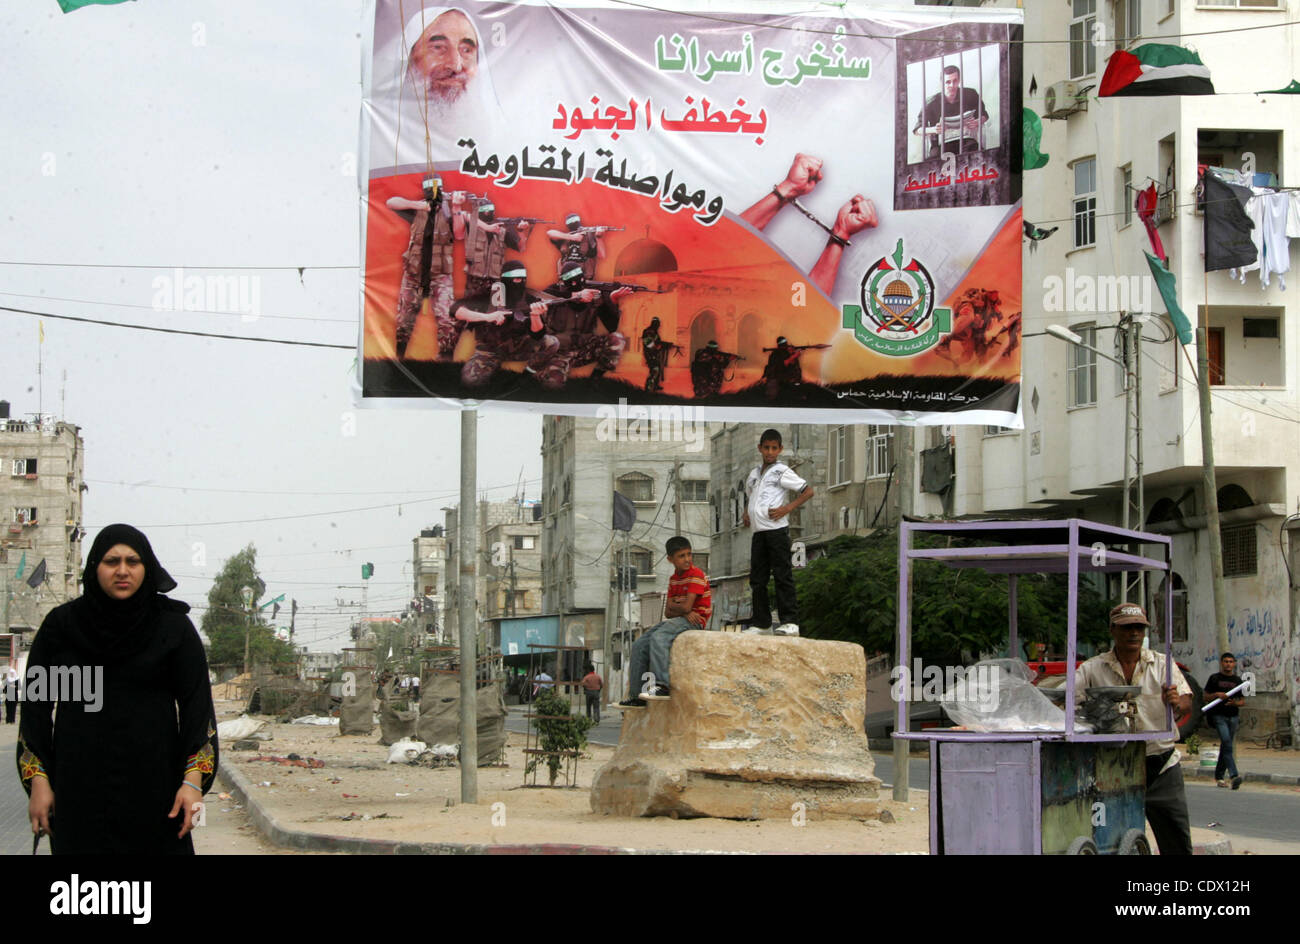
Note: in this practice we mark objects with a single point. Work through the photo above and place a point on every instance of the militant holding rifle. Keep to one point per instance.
(800, 347)
(611, 287)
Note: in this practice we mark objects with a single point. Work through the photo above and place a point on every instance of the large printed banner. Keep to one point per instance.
(568, 205)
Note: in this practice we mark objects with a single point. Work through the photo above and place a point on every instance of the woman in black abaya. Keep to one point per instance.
(133, 749)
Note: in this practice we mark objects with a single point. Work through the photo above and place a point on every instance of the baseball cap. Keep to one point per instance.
(1128, 614)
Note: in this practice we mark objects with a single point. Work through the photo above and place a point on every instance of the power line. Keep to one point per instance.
(185, 311)
(197, 334)
(252, 491)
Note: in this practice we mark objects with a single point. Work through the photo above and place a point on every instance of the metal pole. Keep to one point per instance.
(1140, 523)
(467, 552)
(1126, 325)
(906, 485)
(1209, 483)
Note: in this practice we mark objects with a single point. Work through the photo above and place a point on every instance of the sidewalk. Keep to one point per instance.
(1255, 764)
(357, 803)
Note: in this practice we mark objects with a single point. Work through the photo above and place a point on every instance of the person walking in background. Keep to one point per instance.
(11, 683)
(592, 684)
(1224, 717)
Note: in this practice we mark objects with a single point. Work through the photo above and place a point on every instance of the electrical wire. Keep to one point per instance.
(197, 334)
(178, 311)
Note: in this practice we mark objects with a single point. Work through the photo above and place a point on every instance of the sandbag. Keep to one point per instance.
(357, 714)
(439, 721)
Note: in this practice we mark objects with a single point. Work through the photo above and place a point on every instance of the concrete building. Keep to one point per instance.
(505, 528)
(662, 465)
(429, 567)
(41, 486)
(1069, 460)
(319, 664)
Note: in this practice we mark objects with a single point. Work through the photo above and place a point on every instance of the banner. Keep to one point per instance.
(570, 205)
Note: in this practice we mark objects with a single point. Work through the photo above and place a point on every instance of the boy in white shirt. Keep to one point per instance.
(769, 505)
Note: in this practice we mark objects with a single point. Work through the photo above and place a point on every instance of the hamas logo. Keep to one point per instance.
(897, 316)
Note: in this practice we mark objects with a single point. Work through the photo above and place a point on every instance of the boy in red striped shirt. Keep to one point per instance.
(688, 606)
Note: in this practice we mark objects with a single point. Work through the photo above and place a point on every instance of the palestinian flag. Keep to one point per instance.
(1155, 69)
(69, 5)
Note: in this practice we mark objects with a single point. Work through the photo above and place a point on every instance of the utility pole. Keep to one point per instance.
(1209, 481)
(906, 459)
(1134, 514)
(677, 496)
(467, 521)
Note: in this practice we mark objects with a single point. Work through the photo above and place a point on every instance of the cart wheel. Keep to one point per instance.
(1134, 842)
(1082, 846)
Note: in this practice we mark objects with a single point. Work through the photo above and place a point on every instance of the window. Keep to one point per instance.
(642, 560)
(1126, 195)
(637, 486)
(25, 516)
(998, 430)
(1128, 22)
(1240, 557)
(525, 542)
(1250, 328)
(1242, 4)
(1083, 367)
(716, 508)
(839, 455)
(880, 451)
(1085, 203)
(1083, 54)
(695, 490)
(28, 466)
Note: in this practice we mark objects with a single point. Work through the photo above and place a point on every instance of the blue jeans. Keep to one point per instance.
(1227, 728)
(651, 653)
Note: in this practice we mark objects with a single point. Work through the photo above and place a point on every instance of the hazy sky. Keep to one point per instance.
(211, 133)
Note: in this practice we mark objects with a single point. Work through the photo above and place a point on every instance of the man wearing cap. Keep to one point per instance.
(509, 327)
(578, 245)
(575, 323)
(486, 242)
(1130, 663)
(427, 263)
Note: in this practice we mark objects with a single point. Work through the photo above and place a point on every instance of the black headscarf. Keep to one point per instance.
(104, 623)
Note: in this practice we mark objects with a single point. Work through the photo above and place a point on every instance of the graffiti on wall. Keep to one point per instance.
(1258, 638)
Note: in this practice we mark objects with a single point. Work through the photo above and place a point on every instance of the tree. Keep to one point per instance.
(851, 594)
(226, 620)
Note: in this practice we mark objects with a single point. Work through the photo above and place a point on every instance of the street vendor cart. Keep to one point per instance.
(1043, 788)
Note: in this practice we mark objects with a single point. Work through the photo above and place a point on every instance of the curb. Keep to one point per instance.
(1217, 847)
(1286, 780)
(279, 834)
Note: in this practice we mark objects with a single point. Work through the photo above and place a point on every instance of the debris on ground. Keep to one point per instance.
(293, 760)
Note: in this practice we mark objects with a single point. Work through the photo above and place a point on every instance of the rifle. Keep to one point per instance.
(515, 220)
(801, 347)
(597, 230)
(610, 287)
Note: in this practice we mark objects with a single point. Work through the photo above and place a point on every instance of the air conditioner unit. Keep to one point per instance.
(1063, 99)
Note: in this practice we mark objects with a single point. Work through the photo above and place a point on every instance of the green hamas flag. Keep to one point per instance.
(1033, 128)
(69, 5)
(1166, 284)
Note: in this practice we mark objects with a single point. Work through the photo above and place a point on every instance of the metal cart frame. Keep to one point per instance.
(1071, 546)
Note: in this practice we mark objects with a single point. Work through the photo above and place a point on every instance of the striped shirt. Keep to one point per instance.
(682, 583)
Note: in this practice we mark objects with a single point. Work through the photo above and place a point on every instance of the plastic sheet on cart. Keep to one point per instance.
(997, 695)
